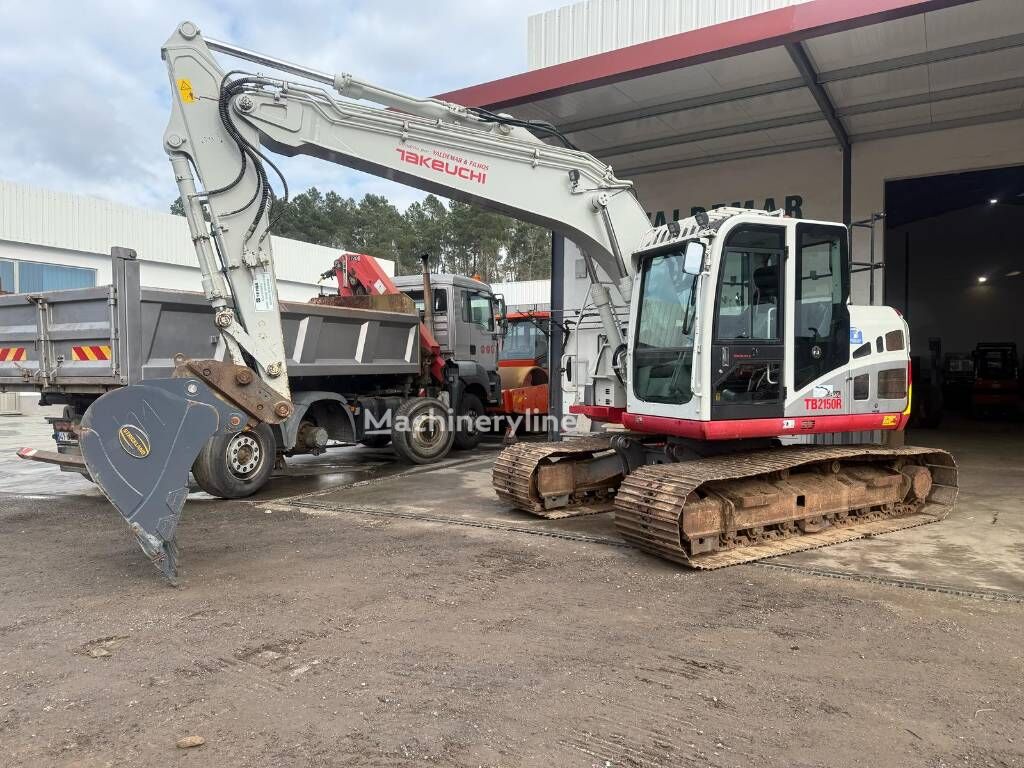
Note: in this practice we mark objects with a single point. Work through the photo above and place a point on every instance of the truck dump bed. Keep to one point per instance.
(89, 340)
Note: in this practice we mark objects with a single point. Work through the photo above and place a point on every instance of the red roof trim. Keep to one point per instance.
(763, 30)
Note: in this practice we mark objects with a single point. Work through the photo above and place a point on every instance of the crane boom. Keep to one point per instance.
(221, 123)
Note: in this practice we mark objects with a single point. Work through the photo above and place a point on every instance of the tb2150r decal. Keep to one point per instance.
(824, 398)
(831, 403)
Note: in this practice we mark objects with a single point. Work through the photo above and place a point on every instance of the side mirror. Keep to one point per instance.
(502, 312)
(693, 257)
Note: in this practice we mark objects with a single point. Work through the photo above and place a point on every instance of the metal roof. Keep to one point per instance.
(44, 217)
(587, 27)
(821, 73)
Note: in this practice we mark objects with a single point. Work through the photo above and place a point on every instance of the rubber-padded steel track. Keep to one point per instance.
(515, 474)
(650, 502)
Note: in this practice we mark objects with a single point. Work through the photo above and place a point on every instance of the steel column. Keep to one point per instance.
(555, 341)
(805, 67)
(847, 184)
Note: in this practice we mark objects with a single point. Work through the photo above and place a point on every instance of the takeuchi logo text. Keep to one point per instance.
(445, 162)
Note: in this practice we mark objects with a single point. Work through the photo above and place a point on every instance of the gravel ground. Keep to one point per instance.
(335, 639)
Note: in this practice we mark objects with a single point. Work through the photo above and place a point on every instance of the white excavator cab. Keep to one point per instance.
(742, 328)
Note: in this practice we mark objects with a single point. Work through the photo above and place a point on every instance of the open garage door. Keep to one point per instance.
(955, 267)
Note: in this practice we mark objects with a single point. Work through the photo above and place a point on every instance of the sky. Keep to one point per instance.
(86, 96)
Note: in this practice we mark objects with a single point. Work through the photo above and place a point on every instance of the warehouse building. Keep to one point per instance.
(52, 240)
(525, 295)
(904, 118)
(56, 240)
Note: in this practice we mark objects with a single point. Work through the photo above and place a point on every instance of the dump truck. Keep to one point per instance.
(740, 332)
(351, 362)
(460, 326)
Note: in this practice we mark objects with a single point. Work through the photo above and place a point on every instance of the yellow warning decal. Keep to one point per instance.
(185, 89)
(890, 420)
(99, 352)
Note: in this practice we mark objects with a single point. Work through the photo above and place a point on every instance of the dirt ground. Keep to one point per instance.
(303, 636)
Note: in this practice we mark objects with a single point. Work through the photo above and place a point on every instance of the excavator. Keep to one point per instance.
(731, 403)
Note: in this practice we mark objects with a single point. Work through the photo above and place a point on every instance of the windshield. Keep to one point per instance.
(997, 364)
(526, 339)
(663, 349)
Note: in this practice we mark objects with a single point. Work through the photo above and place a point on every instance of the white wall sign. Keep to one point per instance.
(791, 204)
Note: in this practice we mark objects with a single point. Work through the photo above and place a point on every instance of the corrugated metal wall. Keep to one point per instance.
(594, 26)
(525, 294)
(91, 225)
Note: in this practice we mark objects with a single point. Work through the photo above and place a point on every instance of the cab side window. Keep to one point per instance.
(748, 304)
(478, 309)
(822, 336)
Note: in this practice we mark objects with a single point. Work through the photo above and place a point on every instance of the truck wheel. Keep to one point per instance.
(466, 440)
(236, 465)
(375, 441)
(428, 434)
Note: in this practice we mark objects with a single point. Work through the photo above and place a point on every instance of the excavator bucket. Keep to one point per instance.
(140, 441)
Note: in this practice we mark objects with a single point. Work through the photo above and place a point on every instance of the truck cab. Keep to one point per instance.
(466, 325)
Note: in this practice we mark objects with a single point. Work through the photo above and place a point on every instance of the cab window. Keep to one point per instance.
(748, 295)
(478, 308)
(821, 341)
(525, 340)
(440, 300)
(663, 347)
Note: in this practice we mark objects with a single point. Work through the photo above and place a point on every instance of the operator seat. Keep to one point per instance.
(765, 302)
(766, 285)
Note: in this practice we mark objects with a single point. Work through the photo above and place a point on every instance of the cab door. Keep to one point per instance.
(748, 351)
(821, 322)
(478, 339)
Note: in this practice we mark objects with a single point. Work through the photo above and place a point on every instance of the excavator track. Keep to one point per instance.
(731, 509)
(516, 469)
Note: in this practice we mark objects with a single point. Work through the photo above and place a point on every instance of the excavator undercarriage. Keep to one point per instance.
(737, 507)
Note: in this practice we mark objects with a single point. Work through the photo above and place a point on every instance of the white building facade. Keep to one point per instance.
(53, 240)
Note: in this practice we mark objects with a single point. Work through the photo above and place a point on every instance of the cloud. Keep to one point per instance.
(86, 94)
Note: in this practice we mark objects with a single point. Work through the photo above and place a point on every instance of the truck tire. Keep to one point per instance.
(472, 407)
(236, 465)
(428, 437)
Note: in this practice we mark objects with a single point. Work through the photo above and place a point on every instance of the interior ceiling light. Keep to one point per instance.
(982, 279)
(993, 200)
(1015, 273)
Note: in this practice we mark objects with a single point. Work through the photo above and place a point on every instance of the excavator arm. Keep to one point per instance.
(222, 123)
(138, 442)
